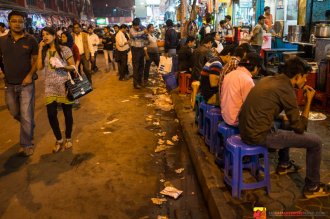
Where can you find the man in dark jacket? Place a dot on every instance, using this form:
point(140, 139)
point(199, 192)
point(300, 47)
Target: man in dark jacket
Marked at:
point(186, 55)
point(200, 56)
point(171, 39)
point(265, 102)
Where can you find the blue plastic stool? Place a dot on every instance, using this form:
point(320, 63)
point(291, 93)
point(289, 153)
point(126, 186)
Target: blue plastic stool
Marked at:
point(235, 150)
point(225, 131)
point(203, 108)
point(212, 118)
point(199, 99)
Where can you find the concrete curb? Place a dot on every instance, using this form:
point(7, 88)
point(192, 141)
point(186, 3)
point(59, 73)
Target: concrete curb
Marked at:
point(206, 170)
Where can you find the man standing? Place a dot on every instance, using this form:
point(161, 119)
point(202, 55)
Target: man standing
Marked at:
point(265, 102)
point(257, 34)
point(152, 54)
point(95, 42)
point(138, 38)
point(20, 90)
point(268, 18)
point(171, 39)
point(85, 47)
point(122, 46)
point(3, 30)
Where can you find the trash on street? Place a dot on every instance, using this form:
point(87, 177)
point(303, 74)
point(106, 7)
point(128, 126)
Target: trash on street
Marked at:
point(175, 138)
point(171, 191)
point(168, 142)
point(161, 148)
point(158, 201)
point(180, 170)
point(112, 121)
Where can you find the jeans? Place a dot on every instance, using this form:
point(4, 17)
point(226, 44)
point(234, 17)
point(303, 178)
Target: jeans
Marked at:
point(153, 57)
point(94, 67)
point(86, 68)
point(53, 121)
point(171, 52)
point(122, 64)
point(108, 56)
point(20, 101)
point(138, 65)
point(286, 139)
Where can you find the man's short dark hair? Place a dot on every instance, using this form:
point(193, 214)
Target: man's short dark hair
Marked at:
point(2, 25)
point(228, 50)
point(228, 17)
point(222, 22)
point(208, 39)
point(17, 13)
point(136, 21)
point(251, 61)
point(239, 52)
point(266, 8)
point(169, 23)
point(149, 26)
point(115, 26)
point(247, 47)
point(261, 17)
point(123, 26)
point(208, 20)
point(295, 66)
point(90, 27)
point(76, 23)
point(190, 39)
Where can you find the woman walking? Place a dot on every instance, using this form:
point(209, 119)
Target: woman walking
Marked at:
point(67, 40)
point(56, 61)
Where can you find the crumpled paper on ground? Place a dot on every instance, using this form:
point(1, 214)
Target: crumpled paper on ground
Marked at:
point(180, 170)
point(163, 102)
point(171, 191)
point(158, 201)
point(161, 148)
point(175, 138)
point(315, 116)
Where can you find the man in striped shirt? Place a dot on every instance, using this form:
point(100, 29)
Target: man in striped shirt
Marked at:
point(138, 38)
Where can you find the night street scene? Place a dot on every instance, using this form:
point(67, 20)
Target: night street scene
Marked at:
point(164, 109)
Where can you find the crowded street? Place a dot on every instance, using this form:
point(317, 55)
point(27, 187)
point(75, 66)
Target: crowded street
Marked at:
point(112, 171)
point(164, 109)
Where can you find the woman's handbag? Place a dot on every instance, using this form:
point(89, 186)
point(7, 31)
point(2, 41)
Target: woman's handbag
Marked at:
point(77, 86)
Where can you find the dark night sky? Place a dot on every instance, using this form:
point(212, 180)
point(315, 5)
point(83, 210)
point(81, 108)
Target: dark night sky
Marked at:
point(113, 3)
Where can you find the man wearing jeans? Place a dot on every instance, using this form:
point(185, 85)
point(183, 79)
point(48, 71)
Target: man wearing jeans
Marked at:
point(138, 38)
point(122, 47)
point(265, 102)
point(19, 91)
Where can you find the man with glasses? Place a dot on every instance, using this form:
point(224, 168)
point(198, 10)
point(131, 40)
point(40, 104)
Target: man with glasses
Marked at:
point(86, 49)
point(19, 80)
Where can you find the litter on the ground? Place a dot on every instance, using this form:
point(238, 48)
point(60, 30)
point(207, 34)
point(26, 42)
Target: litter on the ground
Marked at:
point(160, 141)
point(176, 120)
point(161, 134)
point(171, 191)
point(106, 133)
point(148, 95)
point(315, 116)
point(97, 163)
point(161, 148)
point(102, 128)
point(155, 123)
point(168, 142)
point(162, 217)
point(77, 140)
point(135, 97)
point(148, 119)
point(112, 121)
point(163, 102)
point(150, 105)
point(168, 184)
point(123, 101)
point(180, 170)
point(158, 201)
point(162, 180)
point(175, 138)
